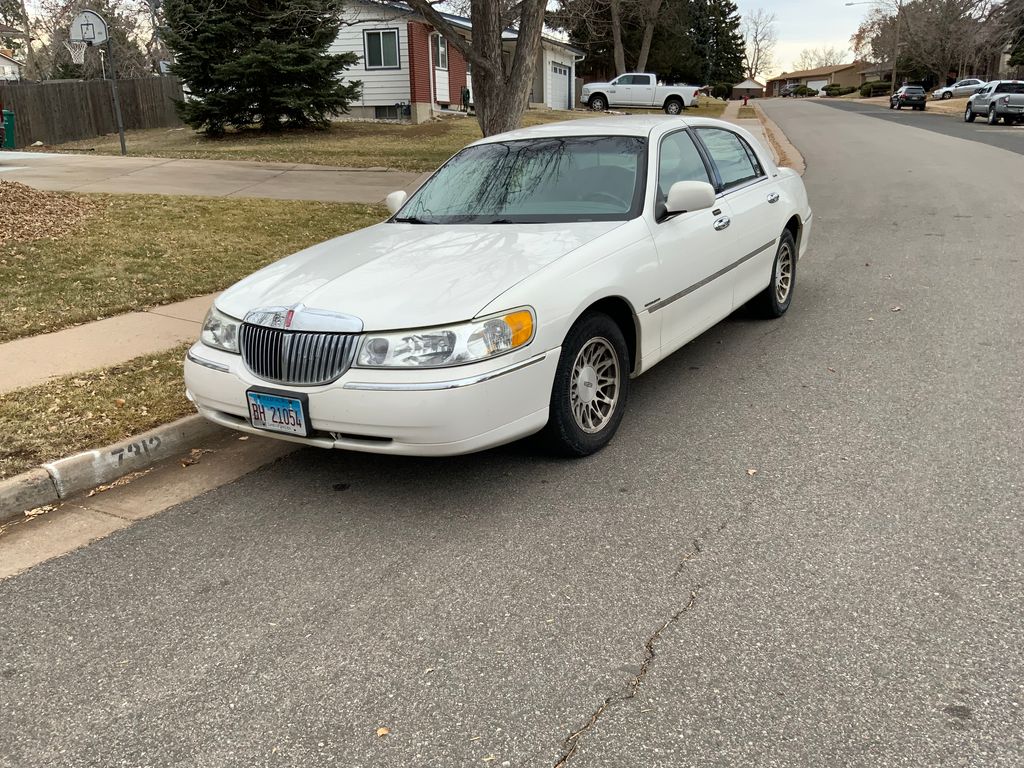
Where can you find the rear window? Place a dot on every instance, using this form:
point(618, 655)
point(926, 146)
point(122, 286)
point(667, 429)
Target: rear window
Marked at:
point(1010, 88)
point(913, 89)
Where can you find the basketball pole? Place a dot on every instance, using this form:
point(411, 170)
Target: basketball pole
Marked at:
point(117, 99)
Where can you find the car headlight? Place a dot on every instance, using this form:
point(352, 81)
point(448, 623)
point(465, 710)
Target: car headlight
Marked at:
point(220, 331)
point(452, 345)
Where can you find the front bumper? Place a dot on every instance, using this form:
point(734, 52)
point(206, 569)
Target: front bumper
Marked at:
point(441, 412)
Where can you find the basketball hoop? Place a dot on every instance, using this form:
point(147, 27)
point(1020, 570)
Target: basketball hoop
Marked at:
point(77, 50)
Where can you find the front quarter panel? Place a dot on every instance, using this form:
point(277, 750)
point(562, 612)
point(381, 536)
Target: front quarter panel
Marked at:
point(622, 263)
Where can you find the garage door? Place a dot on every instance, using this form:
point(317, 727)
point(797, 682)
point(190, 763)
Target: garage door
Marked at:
point(558, 97)
point(817, 85)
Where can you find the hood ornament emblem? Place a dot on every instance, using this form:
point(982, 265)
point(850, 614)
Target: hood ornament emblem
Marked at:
point(302, 318)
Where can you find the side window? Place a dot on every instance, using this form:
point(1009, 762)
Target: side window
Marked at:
point(679, 161)
point(641, 79)
point(736, 162)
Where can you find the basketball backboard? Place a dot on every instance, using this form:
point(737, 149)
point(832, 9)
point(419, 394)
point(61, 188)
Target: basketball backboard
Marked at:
point(89, 28)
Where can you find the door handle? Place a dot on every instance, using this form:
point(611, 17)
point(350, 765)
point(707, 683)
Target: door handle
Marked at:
point(723, 223)
point(773, 197)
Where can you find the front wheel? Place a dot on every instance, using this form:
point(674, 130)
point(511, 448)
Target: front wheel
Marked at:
point(598, 104)
point(947, 95)
point(673, 107)
point(969, 115)
point(591, 387)
point(774, 300)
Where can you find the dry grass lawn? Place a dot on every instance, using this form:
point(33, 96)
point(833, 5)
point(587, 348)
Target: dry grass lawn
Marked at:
point(89, 410)
point(349, 144)
point(135, 251)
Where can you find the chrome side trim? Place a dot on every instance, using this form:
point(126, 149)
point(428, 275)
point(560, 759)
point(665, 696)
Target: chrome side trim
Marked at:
point(206, 363)
point(687, 291)
point(429, 386)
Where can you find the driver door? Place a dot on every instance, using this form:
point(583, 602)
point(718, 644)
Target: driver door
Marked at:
point(694, 249)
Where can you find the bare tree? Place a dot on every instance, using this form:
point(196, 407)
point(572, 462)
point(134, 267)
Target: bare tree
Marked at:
point(607, 18)
point(814, 58)
point(759, 38)
point(501, 88)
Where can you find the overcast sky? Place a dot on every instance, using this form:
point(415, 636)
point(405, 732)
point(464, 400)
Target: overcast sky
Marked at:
point(808, 24)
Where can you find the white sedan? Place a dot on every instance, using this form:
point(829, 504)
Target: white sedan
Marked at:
point(519, 290)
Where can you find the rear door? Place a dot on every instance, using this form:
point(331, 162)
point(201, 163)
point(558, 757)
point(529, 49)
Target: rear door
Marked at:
point(642, 91)
point(754, 210)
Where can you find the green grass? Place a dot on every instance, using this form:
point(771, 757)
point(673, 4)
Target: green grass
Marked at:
point(136, 251)
point(350, 144)
point(88, 410)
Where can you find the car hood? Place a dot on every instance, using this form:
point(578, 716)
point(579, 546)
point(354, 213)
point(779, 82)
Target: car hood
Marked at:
point(396, 275)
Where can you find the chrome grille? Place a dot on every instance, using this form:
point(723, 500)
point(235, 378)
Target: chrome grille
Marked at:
point(301, 358)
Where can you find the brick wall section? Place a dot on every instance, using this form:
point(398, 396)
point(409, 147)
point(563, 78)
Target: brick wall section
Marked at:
point(456, 75)
point(419, 62)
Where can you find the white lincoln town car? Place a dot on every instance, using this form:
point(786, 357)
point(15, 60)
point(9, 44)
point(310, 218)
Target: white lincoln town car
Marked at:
point(519, 290)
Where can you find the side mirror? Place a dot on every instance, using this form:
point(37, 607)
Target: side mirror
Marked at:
point(396, 200)
point(687, 196)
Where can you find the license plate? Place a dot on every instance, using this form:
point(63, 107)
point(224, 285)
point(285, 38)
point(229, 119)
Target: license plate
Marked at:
point(278, 412)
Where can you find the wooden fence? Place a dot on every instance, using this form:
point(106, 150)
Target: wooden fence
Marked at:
point(68, 110)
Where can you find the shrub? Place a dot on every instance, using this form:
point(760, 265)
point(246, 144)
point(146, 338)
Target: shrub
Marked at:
point(874, 88)
point(803, 90)
point(721, 90)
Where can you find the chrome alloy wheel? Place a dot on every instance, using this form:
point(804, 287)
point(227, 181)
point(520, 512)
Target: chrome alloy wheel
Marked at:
point(594, 389)
point(783, 274)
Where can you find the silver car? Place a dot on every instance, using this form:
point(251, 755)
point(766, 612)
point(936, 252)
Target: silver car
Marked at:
point(959, 89)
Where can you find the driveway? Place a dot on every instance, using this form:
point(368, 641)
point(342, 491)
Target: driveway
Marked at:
point(217, 178)
point(856, 601)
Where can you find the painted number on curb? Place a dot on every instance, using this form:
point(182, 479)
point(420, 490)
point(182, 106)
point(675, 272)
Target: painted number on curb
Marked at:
point(141, 448)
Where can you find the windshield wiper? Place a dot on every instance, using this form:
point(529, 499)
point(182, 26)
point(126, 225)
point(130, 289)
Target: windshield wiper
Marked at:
point(412, 220)
point(501, 221)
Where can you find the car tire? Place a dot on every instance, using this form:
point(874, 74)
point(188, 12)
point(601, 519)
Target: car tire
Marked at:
point(969, 115)
point(947, 95)
point(993, 116)
point(899, 106)
point(598, 104)
point(673, 107)
point(775, 300)
point(578, 426)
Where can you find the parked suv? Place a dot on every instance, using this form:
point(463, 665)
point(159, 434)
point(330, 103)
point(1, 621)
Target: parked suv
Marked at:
point(908, 96)
point(998, 99)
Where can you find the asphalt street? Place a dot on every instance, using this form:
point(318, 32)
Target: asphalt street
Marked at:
point(1009, 137)
point(855, 602)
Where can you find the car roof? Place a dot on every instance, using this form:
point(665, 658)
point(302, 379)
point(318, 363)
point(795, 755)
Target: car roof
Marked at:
point(624, 125)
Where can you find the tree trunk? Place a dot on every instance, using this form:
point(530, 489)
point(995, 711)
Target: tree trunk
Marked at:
point(650, 23)
point(618, 52)
point(500, 95)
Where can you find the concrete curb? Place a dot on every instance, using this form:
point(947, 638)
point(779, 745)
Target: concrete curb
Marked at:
point(789, 155)
point(59, 479)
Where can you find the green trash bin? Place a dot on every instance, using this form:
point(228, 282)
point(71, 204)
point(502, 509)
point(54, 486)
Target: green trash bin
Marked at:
point(8, 130)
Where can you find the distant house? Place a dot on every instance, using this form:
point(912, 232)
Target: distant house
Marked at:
point(749, 88)
point(10, 68)
point(817, 79)
point(409, 71)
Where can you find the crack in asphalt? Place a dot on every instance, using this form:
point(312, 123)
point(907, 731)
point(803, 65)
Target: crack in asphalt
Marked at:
point(572, 742)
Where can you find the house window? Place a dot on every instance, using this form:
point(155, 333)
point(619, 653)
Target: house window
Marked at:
point(390, 112)
point(380, 47)
point(440, 52)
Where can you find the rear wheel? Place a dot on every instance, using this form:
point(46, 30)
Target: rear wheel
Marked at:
point(591, 387)
point(673, 107)
point(774, 300)
point(598, 104)
point(969, 115)
point(993, 116)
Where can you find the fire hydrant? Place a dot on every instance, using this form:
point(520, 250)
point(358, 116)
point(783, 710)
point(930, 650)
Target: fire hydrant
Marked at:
point(746, 98)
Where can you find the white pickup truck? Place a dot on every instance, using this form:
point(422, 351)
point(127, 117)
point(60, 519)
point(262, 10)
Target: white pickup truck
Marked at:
point(636, 89)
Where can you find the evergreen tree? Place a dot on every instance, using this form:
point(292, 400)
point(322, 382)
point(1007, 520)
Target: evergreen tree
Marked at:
point(717, 40)
point(258, 62)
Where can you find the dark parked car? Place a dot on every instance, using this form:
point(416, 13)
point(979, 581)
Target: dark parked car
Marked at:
point(909, 96)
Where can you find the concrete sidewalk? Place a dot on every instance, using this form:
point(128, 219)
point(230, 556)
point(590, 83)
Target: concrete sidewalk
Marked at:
point(215, 178)
point(32, 360)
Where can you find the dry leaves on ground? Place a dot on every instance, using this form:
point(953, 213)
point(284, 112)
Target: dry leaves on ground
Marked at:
point(31, 214)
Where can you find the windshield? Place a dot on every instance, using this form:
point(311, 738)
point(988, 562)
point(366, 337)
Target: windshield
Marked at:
point(576, 178)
